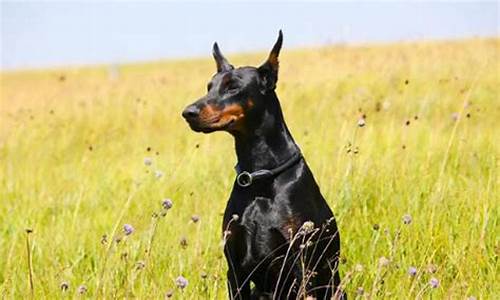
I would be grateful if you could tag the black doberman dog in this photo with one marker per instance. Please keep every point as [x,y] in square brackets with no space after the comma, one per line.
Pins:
[279,232]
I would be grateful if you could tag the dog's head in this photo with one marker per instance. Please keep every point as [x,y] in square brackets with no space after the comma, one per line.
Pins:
[234,95]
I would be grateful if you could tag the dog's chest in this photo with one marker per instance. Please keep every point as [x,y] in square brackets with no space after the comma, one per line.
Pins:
[261,232]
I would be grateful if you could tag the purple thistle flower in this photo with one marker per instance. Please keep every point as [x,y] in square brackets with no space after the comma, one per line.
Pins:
[383,261]
[360,291]
[181,282]
[128,229]
[386,105]
[148,161]
[434,282]
[64,286]
[358,268]
[82,289]
[407,219]
[307,227]
[431,268]
[412,271]
[183,241]
[140,265]
[167,203]
[361,122]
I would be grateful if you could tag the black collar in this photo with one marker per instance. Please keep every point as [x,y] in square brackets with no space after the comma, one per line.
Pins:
[245,179]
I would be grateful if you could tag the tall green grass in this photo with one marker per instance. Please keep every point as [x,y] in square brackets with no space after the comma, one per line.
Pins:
[73,145]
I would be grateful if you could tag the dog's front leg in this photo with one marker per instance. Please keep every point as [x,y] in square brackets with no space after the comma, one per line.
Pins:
[237,283]
[237,290]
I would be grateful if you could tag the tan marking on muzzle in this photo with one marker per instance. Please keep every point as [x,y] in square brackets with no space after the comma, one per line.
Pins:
[219,118]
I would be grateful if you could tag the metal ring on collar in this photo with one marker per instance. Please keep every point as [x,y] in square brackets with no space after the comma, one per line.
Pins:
[244,179]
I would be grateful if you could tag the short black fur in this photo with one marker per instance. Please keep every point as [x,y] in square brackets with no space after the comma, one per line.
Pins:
[266,241]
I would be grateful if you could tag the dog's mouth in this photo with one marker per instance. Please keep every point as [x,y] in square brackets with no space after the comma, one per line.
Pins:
[214,124]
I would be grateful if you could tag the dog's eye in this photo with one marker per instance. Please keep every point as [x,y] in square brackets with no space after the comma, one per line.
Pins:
[232,88]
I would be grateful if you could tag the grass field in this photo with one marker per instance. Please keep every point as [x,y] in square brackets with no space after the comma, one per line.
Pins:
[85,151]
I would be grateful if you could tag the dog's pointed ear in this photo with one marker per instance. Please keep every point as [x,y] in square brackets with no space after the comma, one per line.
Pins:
[220,60]
[269,70]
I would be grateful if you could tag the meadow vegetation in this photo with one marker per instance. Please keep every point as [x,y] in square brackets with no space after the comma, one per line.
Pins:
[403,140]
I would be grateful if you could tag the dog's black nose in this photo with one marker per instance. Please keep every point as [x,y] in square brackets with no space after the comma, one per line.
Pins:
[191,112]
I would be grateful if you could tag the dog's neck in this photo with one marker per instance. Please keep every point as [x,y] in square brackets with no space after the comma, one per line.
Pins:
[269,144]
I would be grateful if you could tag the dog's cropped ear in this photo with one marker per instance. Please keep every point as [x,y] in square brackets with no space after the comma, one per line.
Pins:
[269,70]
[220,60]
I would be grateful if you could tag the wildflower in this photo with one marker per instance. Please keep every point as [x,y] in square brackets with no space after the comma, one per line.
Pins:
[195,218]
[184,242]
[158,174]
[104,239]
[358,268]
[235,217]
[225,237]
[82,289]
[431,268]
[360,291]
[412,271]
[167,203]
[128,229]
[140,265]
[181,282]
[454,116]
[64,286]
[407,219]
[383,261]
[376,226]
[361,122]
[471,298]
[307,227]
[148,161]
[203,275]
[386,105]
[169,294]
[434,282]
